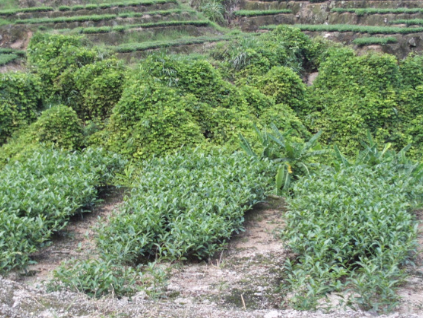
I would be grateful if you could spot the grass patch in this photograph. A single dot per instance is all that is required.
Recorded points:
(122, 28)
(374, 40)
(250, 13)
(408, 21)
(98, 17)
(7, 58)
(365, 11)
(12, 51)
(133, 47)
(90, 6)
(350, 28)
(25, 10)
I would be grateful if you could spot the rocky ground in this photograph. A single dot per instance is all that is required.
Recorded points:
(242, 281)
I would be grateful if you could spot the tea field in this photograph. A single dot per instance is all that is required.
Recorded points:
(264, 173)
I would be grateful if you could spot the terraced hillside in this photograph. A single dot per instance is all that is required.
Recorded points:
(132, 28)
(129, 27)
(395, 26)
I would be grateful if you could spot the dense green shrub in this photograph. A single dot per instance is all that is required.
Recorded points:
(151, 119)
(44, 188)
(185, 205)
(285, 119)
(171, 102)
(352, 228)
(257, 101)
(411, 69)
(20, 101)
(60, 126)
(53, 57)
(100, 85)
(285, 86)
(353, 94)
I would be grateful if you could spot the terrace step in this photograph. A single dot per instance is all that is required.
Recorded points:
(149, 34)
(371, 19)
(252, 23)
(98, 11)
(113, 20)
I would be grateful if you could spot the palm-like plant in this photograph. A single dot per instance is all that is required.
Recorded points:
(295, 157)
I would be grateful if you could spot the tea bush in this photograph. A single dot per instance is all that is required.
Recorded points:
(352, 227)
(285, 86)
(100, 85)
(60, 126)
(20, 102)
(353, 94)
(96, 278)
(151, 120)
(43, 189)
(53, 57)
(185, 205)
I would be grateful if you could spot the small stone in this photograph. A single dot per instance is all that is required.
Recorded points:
(412, 42)
(272, 314)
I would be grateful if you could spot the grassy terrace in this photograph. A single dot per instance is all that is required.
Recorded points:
(7, 58)
(351, 28)
(122, 28)
(9, 55)
(408, 21)
(251, 13)
(97, 17)
(84, 7)
(363, 11)
(133, 47)
(374, 40)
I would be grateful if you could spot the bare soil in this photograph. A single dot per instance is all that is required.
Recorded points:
(242, 281)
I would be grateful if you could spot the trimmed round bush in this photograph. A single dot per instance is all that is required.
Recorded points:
(20, 102)
(285, 86)
(58, 125)
(151, 120)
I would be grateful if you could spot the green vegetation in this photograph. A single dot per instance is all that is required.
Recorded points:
(7, 58)
(374, 40)
(85, 7)
(41, 190)
(250, 13)
(121, 28)
(179, 122)
(132, 47)
(408, 21)
(96, 17)
(194, 218)
(363, 11)
(26, 10)
(352, 228)
(351, 28)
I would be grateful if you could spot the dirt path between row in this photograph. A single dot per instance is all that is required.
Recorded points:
(243, 281)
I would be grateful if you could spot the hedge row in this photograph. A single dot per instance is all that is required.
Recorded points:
(85, 7)
(250, 13)
(374, 40)
(133, 47)
(122, 28)
(98, 17)
(364, 11)
(351, 28)
(39, 193)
